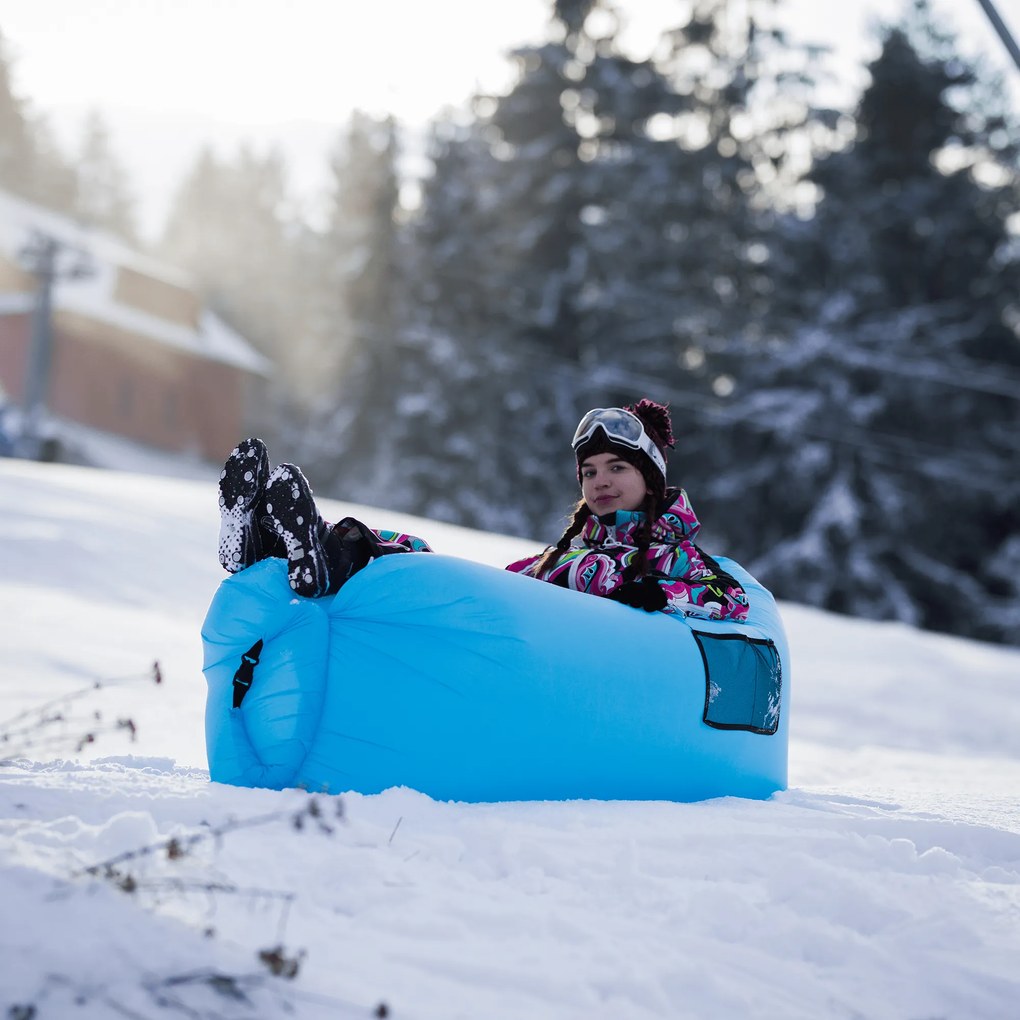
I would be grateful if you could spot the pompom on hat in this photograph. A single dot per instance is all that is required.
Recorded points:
(606, 430)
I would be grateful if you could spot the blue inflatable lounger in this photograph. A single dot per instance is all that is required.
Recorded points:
(470, 683)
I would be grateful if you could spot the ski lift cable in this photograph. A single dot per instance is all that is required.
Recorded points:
(1003, 31)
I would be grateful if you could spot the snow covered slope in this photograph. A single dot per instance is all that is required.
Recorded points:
(884, 883)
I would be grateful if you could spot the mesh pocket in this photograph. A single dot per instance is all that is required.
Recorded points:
(743, 682)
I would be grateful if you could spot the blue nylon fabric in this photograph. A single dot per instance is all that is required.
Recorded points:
(471, 683)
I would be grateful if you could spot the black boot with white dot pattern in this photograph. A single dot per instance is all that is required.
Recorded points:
(242, 485)
(291, 511)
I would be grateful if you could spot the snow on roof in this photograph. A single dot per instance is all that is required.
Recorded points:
(93, 295)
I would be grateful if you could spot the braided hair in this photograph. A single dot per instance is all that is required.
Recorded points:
(638, 566)
(580, 515)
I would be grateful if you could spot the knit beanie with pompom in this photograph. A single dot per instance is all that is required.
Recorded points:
(659, 429)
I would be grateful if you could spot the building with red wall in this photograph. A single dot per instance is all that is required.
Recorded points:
(134, 352)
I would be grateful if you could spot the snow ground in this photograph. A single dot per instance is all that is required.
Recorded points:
(885, 883)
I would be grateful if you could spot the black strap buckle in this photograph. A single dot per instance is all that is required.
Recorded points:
(245, 672)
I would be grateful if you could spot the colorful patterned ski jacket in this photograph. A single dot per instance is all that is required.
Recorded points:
(692, 581)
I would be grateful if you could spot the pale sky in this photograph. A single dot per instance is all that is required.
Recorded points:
(170, 74)
(260, 61)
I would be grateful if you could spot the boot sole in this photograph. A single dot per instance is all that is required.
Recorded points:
(291, 511)
(242, 484)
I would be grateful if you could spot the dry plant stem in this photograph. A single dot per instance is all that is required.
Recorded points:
(154, 674)
(25, 731)
(176, 847)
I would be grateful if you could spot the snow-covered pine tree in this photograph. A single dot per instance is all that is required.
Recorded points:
(574, 237)
(888, 484)
(489, 365)
(230, 225)
(103, 197)
(359, 306)
(31, 164)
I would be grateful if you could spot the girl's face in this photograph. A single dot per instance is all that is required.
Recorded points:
(609, 483)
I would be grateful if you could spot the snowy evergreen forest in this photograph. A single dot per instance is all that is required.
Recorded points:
(827, 298)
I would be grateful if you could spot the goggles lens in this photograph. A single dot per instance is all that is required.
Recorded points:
(622, 427)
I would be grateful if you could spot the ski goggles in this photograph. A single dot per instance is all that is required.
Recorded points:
(621, 427)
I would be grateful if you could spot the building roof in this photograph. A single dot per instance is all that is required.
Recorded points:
(99, 294)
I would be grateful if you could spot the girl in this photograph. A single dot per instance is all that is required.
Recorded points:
(634, 535)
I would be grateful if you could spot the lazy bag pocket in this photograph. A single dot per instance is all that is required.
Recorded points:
(743, 682)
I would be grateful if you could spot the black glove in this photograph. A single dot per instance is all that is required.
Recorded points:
(646, 594)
